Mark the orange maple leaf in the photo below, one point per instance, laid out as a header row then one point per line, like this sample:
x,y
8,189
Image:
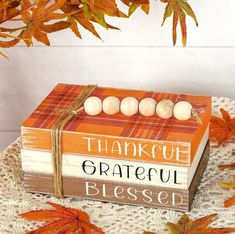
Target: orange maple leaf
x,y
179,9
222,129
8,14
199,226
229,202
36,18
228,184
63,220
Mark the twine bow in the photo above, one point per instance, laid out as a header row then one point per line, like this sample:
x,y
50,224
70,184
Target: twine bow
x,y
56,136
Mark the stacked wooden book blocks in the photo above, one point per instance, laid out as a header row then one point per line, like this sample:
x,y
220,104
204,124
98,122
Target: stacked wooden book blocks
x,y
133,160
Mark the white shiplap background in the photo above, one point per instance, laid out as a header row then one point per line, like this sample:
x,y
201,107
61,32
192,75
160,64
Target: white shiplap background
x,y
139,56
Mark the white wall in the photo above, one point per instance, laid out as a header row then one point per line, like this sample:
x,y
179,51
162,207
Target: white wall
x,y
139,56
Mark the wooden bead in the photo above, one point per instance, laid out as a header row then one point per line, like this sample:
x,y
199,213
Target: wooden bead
x,y
183,110
111,105
164,109
93,105
147,107
129,106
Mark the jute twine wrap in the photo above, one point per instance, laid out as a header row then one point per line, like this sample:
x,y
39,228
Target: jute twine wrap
x,y
56,136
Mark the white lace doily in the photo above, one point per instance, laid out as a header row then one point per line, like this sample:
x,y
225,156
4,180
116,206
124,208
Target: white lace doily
x,y
112,218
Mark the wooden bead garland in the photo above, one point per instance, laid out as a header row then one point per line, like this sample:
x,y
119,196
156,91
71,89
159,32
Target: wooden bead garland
x,y
183,110
93,105
129,106
147,107
164,109
111,105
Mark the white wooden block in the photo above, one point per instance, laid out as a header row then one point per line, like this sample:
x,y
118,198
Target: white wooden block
x,y
126,171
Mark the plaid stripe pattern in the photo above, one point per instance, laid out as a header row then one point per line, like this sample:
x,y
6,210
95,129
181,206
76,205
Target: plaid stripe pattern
x,y
137,126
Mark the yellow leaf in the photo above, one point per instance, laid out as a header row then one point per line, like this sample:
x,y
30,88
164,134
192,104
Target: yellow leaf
x,y
86,11
189,11
228,184
132,8
185,226
168,12
100,20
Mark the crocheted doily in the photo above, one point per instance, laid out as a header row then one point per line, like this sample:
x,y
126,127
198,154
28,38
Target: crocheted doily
x,y
113,218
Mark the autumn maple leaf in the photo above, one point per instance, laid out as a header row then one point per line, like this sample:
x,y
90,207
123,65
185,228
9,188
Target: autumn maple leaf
x,y
179,9
79,19
228,184
9,13
63,220
35,21
92,12
199,226
8,10
222,129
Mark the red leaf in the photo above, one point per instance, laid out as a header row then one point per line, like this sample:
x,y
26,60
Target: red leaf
x,y
174,30
43,215
62,220
225,114
183,30
229,202
227,166
70,211
222,129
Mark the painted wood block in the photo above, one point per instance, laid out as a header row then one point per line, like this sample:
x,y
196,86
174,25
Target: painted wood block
x,y
123,193
150,139
116,170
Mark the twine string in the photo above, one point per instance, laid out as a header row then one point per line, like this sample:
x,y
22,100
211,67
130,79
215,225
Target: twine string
x,y
196,116
56,136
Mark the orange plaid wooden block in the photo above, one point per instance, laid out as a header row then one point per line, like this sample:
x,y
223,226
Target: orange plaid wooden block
x,y
149,139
